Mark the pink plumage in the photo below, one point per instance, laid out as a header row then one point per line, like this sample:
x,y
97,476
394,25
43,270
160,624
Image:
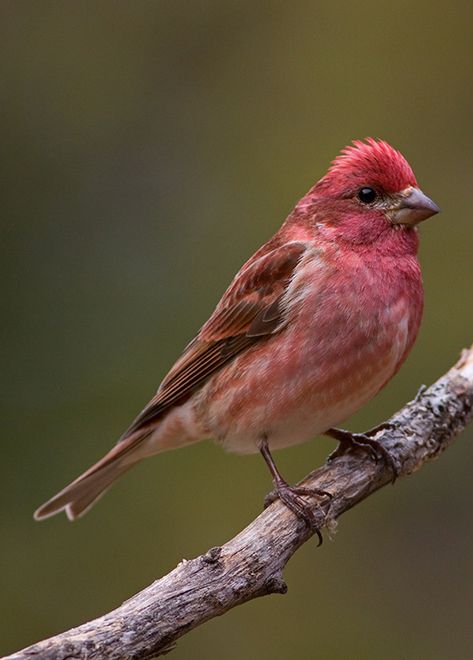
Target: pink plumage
x,y
315,323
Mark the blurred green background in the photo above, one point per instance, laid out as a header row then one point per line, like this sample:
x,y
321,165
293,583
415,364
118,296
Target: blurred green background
x,y
148,148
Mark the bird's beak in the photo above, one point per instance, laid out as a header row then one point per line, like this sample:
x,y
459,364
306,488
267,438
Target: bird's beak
x,y
413,207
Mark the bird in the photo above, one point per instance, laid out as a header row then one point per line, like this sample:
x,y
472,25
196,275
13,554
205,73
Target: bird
x,y
311,328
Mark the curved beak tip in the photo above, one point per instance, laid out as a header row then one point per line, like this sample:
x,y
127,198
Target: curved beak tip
x,y
414,208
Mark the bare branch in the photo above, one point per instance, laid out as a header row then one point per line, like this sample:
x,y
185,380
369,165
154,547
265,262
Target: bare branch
x,y
251,564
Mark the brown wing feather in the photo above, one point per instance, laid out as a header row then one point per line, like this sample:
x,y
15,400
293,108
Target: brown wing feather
x,y
249,310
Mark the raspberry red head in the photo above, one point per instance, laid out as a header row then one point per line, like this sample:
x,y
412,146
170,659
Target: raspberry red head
x,y
370,163
369,188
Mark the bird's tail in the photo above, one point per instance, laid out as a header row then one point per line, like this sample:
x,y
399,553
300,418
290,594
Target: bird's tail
x,y
78,497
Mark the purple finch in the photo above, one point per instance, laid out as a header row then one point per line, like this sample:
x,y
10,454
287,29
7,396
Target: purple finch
x,y
318,320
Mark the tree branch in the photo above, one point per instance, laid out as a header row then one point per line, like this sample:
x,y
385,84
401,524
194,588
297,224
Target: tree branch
x,y
251,564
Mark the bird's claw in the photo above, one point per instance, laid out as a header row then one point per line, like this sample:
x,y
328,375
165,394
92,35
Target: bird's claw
x,y
365,441
291,497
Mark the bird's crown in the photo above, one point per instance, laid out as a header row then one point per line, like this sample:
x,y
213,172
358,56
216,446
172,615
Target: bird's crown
x,y
372,162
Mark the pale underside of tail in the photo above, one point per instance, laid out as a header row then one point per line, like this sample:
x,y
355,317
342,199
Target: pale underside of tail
x,y
77,498
171,432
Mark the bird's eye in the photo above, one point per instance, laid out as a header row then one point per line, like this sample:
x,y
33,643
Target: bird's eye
x,y
367,195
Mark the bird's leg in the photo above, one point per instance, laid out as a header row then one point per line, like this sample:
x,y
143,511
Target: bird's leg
x,y
365,441
290,495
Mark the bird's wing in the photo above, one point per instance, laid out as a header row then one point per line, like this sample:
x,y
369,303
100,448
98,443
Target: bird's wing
x,y
249,311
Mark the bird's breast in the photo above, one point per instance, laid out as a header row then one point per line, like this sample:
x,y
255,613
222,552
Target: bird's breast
x,y
343,341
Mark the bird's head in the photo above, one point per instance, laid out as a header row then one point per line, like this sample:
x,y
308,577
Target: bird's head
x,y
370,188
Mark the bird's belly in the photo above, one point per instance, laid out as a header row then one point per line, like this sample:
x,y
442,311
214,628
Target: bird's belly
x,y
299,389
306,410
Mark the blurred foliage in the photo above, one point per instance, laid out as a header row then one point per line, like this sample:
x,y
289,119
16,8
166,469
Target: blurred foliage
x,y
148,148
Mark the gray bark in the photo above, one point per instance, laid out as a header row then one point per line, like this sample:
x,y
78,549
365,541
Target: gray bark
x,y
251,564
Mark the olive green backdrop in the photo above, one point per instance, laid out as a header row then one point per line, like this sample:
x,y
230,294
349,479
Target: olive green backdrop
x,y
147,149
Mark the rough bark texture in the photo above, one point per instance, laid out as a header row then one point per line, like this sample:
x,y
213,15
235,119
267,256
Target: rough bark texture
x,y
251,564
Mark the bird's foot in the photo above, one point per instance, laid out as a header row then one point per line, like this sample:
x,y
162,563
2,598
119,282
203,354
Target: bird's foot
x,y
291,497
365,441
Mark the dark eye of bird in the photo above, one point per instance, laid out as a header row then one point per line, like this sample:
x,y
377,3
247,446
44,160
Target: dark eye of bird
x,y
367,195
